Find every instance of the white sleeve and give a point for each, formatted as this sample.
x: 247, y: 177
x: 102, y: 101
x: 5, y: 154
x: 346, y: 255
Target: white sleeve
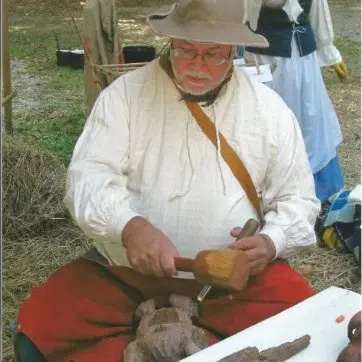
x: 96, y: 191
x: 321, y: 23
x: 289, y: 202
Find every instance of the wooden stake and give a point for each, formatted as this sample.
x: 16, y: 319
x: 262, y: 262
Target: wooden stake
x: 256, y: 63
x: 6, y: 67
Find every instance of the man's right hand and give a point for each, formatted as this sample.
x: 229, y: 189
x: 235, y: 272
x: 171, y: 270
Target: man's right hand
x: 149, y: 251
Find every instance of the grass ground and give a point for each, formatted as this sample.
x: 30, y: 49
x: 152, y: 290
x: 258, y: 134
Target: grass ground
x: 49, y: 111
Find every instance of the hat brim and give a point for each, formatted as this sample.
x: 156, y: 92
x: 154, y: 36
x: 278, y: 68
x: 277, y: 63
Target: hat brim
x: 163, y: 22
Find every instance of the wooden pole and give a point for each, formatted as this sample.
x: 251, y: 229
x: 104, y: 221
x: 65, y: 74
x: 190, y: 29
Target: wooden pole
x: 8, y: 98
x: 6, y: 67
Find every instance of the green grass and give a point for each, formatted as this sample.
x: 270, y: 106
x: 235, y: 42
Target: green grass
x: 56, y: 119
x: 57, y: 134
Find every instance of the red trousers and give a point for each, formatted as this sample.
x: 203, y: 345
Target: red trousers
x: 84, y: 312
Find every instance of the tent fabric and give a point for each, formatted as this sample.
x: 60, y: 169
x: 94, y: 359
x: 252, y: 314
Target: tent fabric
x: 102, y: 46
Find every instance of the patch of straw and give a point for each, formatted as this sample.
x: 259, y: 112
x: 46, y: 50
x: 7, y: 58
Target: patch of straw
x: 38, y: 233
x: 325, y: 267
x: 33, y: 188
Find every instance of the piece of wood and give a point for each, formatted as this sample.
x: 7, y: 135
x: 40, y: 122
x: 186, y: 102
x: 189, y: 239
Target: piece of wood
x: 184, y: 264
x: 246, y: 354
x: 166, y: 334
x: 279, y: 353
x: 223, y: 268
x: 249, y: 229
x: 285, y: 351
x: 6, y: 67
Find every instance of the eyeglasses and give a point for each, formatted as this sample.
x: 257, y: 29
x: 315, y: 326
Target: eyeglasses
x: 210, y: 58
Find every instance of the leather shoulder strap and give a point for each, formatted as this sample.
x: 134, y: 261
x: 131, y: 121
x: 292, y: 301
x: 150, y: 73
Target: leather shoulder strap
x: 237, y: 167
x: 229, y: 155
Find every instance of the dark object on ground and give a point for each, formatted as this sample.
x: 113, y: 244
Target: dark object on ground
x: 274, y: 354
x: 71, y: 58
x: 77, y: 59
x: 352, y: 352
x: 138, y: 54
x: 63, y: 57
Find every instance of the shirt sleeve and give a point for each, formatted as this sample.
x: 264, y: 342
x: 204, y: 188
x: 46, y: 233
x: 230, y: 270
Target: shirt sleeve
x: 288, y: 197
x: 321, y: 23
x: 96, y: 190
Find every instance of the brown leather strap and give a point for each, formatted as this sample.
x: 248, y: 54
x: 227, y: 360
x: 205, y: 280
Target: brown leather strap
x: 229, y: 155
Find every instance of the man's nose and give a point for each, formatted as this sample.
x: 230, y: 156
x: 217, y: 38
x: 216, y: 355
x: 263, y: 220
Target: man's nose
x: 198, y: 62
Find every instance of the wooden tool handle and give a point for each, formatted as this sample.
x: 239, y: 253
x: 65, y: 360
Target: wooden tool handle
x: 184, y: 264
x: 187, y: 264
x: 249, y: 229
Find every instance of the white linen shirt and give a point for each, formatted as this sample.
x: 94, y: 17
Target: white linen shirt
x: 142, y: 153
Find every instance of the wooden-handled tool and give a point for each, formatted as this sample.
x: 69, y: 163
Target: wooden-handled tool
x: 249, y: 229
x: 222, y: 268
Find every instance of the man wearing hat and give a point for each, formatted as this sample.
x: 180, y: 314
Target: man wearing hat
x: 173, y: 159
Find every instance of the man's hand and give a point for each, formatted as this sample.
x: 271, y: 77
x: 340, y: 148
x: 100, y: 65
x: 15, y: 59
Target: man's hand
x: 149, y: 251
x: 341, y: 70
x: 260, y: 250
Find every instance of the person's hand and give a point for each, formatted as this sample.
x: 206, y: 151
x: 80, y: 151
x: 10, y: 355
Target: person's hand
x: 260, y: 250
x: 149, y: 251
x: 341, y: 70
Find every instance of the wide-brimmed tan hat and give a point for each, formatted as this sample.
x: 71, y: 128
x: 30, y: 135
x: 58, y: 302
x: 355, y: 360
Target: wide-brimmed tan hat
x: 209, y: 21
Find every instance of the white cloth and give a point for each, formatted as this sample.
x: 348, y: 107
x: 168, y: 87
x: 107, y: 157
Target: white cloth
x: 321, y: 23
x: 298, y: 80
x: 142, y: 153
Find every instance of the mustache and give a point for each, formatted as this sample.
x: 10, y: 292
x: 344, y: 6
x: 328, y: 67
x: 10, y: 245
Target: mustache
x: 197, y: 74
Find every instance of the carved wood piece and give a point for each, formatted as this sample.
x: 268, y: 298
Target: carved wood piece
x: 284, y: 351
x: 274, y: 354
x: 166, y: 334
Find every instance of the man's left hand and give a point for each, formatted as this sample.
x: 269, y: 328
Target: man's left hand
x: 260, y: 250
x: 341, y: 70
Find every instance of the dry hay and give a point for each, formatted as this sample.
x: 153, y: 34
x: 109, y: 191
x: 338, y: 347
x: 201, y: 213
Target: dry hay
x: 324, y: 267
x: 33, y: 185
x: 38, y: 234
